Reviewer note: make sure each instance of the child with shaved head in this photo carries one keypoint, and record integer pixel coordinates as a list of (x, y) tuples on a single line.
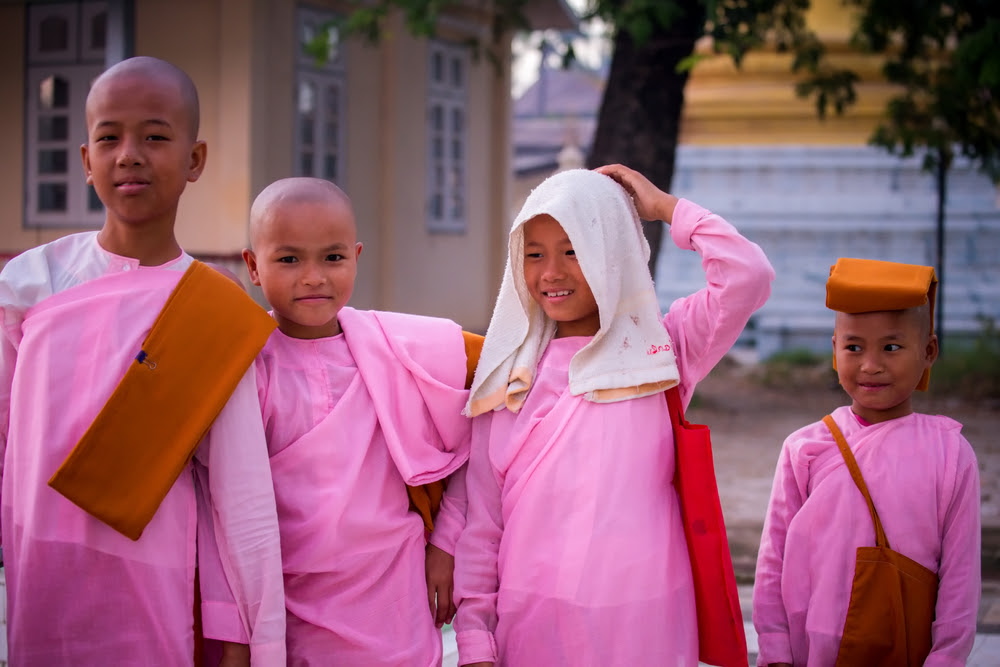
[(875, 494), (101, 567), (357, 405)]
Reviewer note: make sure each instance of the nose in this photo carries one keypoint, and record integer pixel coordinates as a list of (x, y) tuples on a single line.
[(312, 275), (554, 268), (871, 363), (130, 153)]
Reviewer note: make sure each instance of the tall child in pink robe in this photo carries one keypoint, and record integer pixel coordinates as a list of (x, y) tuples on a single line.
[(920, 471), (574, 552), (357, 405), (74, 314)]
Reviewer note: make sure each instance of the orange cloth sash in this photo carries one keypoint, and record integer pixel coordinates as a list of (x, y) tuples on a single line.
[(200, 346), (425, 500)]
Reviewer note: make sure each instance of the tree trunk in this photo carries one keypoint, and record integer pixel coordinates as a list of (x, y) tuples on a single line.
[(640, 114)]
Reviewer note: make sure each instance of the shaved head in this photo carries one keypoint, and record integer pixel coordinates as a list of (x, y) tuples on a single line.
[(154, 72), (295, 191)]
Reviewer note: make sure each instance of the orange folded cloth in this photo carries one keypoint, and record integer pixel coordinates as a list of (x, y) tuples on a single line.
[(868, 285), (871, 285), (200, 346)]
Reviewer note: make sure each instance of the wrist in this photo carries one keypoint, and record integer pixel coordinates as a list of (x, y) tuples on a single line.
[(667, 207)]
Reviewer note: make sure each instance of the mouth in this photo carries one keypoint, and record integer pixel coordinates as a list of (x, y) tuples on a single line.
[(872, 386), (313, 298), (556, 294), (131, 185)]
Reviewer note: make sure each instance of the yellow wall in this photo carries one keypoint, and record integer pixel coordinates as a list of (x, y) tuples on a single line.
[(757, 104)]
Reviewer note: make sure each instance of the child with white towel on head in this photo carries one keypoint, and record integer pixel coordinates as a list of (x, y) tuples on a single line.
[(574, 551)]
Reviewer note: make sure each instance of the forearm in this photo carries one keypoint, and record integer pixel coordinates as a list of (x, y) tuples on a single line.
[(738, 277), (450, 520)]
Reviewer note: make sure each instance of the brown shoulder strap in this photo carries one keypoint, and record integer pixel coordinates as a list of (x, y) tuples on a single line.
[(852, 465)]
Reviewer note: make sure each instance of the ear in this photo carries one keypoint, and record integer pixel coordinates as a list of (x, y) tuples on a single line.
[(199, 152), (85, 157), (932, 350), (357, 250), (251, 262)]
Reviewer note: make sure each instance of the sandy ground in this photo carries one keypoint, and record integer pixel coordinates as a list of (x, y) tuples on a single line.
[(750, 415)]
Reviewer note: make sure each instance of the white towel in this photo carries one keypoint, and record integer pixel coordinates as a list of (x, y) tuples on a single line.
[(632, 354)]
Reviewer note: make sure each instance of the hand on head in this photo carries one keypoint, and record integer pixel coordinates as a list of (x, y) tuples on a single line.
[(651, 202)]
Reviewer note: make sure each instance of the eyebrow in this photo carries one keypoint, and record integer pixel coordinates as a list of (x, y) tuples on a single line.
[(291, 248), (113, 123)]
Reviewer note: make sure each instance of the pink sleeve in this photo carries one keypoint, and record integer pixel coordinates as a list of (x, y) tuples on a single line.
[(8, 356), (246, 523), (450, 520), (220, 616), (704, 325), (959, 573), (476, 578), (769, 618)]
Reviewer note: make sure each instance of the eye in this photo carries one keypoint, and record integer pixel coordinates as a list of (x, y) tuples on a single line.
[(571, 253), (105, 137), (335, 257), (287, 259), (892, 347), (157, 137), (532, 255), (852, 347)]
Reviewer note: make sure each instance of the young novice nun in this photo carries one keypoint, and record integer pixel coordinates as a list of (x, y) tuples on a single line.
[(574, 552), (356, 405), (921, 475), (76, 317)]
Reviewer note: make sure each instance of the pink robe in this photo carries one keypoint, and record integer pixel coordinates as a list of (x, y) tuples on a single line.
[(349, 420), (924, 481), (574, 551), (79, 593)]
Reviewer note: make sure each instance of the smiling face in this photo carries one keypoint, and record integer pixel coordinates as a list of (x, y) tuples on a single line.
[(141, 148), (555, 280), (305, 256), (881, 357)]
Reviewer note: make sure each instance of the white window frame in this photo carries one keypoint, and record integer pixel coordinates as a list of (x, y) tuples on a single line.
[(447, 145), (325, 77), (78, 65)]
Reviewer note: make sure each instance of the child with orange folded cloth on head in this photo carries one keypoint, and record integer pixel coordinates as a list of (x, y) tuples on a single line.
[(574, 551), (898, 480), (122, 489), (358, 406)]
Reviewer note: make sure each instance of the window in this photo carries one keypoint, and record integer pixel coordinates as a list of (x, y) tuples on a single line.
[(320, 103), (447, 138), (66, 43)]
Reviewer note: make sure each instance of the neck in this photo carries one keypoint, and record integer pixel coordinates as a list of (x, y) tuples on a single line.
[(152, 247)]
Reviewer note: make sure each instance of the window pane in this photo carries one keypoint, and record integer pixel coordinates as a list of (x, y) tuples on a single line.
[(307, 97), (330, 167), (332, 99), (308, 134), (53, 128), (456, 149), (52, 162), (306, 165), (99, 31), (438, 150), (53, 93), (437, 66), (53, 34), (436, 207), (457, 120), (332, 134), (52, 197), (457, 208), (93, 201), (456, 72), (437, 118)]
